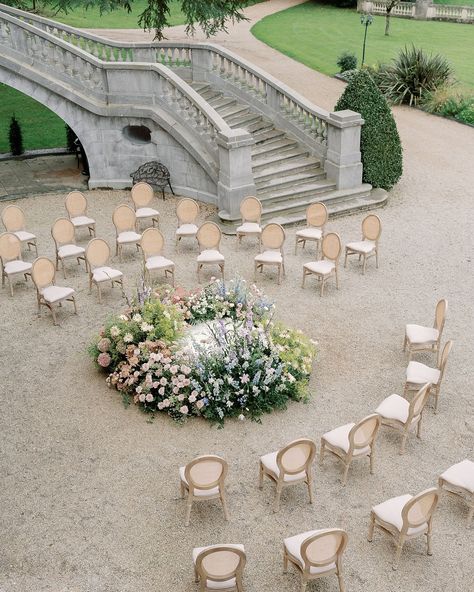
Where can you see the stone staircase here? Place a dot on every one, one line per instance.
(286, 175)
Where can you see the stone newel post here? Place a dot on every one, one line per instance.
(201, 64)
(235, 174)
(343, 162)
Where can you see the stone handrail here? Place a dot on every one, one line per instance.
(420, 9)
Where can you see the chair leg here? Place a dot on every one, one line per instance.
(346, 470)
(404, 439)
(398, 552)
(418, 428)
(224, 505)
(429, 550)
(260, 476)
(99, 292)
(10, 282)
(345, 258)
(309, 482)
(54, 315)
(285, 561)
(64, 268)
(470, 514)
(322, 287)
(372, 460)
(276, 504)
(182, 489)
(405, 340)
(405, 390)
(364, 263)
(74, 304)
(376, 258)
(337, 279)
(370, 535)
(188, 510)
(436, 396)
(304, 279)
(342, 587)
(303, 585)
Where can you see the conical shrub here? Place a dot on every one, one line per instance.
(15, 137)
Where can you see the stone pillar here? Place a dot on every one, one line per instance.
(144, 54)
(343, 163)
(201, 64)
(235, 172)
(421, 9)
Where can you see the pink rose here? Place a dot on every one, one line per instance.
(200, 404)
(161, 390)
(141, 397)
(184, 409)
(104, 359)
(103, 345)
(180, 397)
(163, 381)
(174, 369)
(149, 398)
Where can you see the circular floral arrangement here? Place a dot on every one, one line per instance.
(213, 353)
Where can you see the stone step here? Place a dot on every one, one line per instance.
(261, 161)
(263, 125)
(200, 86)
(272, 134)
(233, 111)
(281, 185)
(273, 145)
(222, 102)
(317, 184)
(243, 121)
(298, 165)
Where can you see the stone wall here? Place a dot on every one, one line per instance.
(421, 9)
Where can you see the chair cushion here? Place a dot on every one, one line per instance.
(339, 437)
(269, 461)
(217, 585)
(158, 262)
(365, 246)
(198, 492)
(17, 266)
(249, 228)
(24, 236)
(269, 257)
(187, 230)
(461, 475)
(70, 251)
(323, 267)
(210, 256)
(394, 407)
(391, 511)
(104, 274)
(56, 293)
(293, 546)
(146, 213)
(421, 374)
(129, 236)
(419, 334)
(310, 233)
(82, 221)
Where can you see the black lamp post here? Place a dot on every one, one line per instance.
(366, 20)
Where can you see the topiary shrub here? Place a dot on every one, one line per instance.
(380, 145)
(15, 137)
(347, 61)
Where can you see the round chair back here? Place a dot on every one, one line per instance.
(251, 210)
(273, 236)
(76, 204)
(10, 247)
(440, 315)
(444, 356)
(13, 218)
(419, 401)
(420, 508)
(371, 227)
(62, 231)
(206, 472)
(209, 236)
(124, 218)
(97, 252)
(324, 547)
(365, 431)
(187, 210)
(142, 194)
(331, 246)
(43, 271)
(317, 214)
(296, 457)
(220, 563)
(152, 242)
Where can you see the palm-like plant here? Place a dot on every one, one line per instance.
(413, 74)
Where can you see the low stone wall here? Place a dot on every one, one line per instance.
(421, 9)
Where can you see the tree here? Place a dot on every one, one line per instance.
(15, 137)
(211, 15)
(389, 7)
(380, 146)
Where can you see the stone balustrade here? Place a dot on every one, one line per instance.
(421, 9)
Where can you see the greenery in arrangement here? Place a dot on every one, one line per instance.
(347, 61)
(450, 102)
(15, 137)
(380, 145)
(214, 353)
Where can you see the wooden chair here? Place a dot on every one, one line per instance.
(404, 518)
(251, 212)
(219, 567)
(271, 253)
(458, 480)
(209, 239)
(419, 338)
(142, 196)
(97, 257)
(369, 245)
(125, 221)
(418, 374)
(396, 412)
(187, 212)
(152, 244)
(64, 238)
(329, 264)
(10, 259)
(13, 219)
(43, 274)
(203, 479)
(316, 219)
(289, 466)
(353, 440)
(316, 554)
(76, 208)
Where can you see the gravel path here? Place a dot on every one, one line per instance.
(90, 496)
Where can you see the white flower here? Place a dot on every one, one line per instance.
(146, 327)
(137, 318)
(123, 317)
(128, 338)
(114, 331)
(241, 417)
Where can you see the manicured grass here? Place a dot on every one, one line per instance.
(458, 2)
(317, 34)
(41, 128)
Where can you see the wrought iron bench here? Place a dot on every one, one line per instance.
(154, 173)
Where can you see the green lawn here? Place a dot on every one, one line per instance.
(458, 2)
(316, 34)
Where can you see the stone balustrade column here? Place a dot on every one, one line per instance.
(343, 161)
(421, 9)
(201, 64)
(235, 171)
(144, 54)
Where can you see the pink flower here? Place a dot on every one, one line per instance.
(166, 403)
(184, 409)
(244, 378)
(185, 369)
(104, 359)
(200, 404)
(149, 398)
(174, 369)
(180, 397)
(163, 381)
(103, 345)
(161, 390)
(141, 397)
(192, 398)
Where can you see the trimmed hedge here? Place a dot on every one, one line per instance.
(380, 145)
